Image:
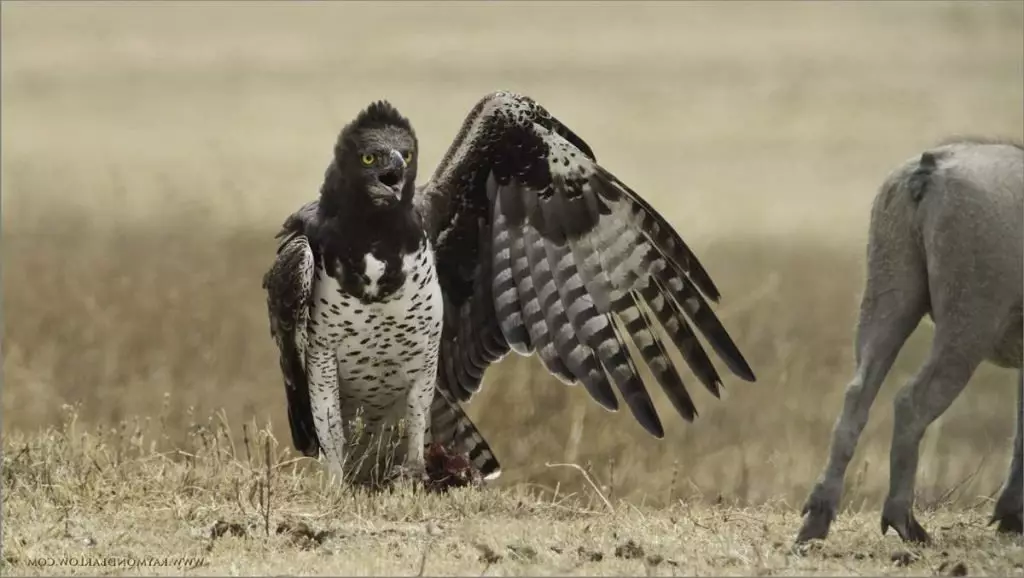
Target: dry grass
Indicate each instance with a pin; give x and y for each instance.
(147, 162)
(221, 503)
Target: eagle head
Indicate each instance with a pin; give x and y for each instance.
(375, 158)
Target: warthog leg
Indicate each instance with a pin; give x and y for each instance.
(894, 301)
(1009, 510)
(929, 393)
(887, 318)
(962, 340)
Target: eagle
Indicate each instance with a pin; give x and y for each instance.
(389, 300)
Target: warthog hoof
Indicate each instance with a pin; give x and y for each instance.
(818, 515)
(903, 521)
(1009, 518)
(1011, 524)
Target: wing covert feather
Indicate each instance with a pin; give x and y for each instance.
(288, 284)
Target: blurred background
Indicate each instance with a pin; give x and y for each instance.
(150, 153)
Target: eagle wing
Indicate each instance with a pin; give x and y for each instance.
(541, 249)
(289, 285)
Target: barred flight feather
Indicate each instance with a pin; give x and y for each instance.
(506, 295)
(541, 318)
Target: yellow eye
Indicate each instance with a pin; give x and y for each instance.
(367, 160)
(407, 155)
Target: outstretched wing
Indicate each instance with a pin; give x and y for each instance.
(289, 284)
(540, 249)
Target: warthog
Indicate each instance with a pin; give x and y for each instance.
(946, 238)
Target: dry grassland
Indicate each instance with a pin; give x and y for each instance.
(212, 505)
(150, 152)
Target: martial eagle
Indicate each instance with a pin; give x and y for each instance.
(388, 301)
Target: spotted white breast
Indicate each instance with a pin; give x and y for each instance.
(387, 349)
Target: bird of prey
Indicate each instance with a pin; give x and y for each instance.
(388, 301)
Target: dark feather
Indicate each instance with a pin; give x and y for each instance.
(707, 322)
(288, 285)
(623, 370)
(541, 320)
(639, 324)
(578, 309)
(670, 317)
(508, 309)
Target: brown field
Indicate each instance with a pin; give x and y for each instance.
(150, 152)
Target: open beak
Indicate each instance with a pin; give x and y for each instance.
(394, 177)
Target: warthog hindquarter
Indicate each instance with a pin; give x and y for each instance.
(946, 239)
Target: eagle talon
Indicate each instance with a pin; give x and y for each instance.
(417, 476)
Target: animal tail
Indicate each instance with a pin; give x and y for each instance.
(920, 178)
(451, 427)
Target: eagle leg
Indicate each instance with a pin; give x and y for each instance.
(414, 466)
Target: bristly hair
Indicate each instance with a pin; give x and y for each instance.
(379, 115)
(981, 140)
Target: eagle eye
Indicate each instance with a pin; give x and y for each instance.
(407, 155)
(367, 160)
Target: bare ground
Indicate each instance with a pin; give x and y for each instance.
(150, 153)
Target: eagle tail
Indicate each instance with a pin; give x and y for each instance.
(451, 427)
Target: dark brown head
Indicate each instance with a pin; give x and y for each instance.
(375, 159)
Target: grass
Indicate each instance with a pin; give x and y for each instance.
(146, 167)
(225, 503)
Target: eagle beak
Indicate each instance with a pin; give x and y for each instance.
(393, 178)
(397, 160)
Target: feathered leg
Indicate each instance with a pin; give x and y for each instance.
(418, 403)
(326, 404)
